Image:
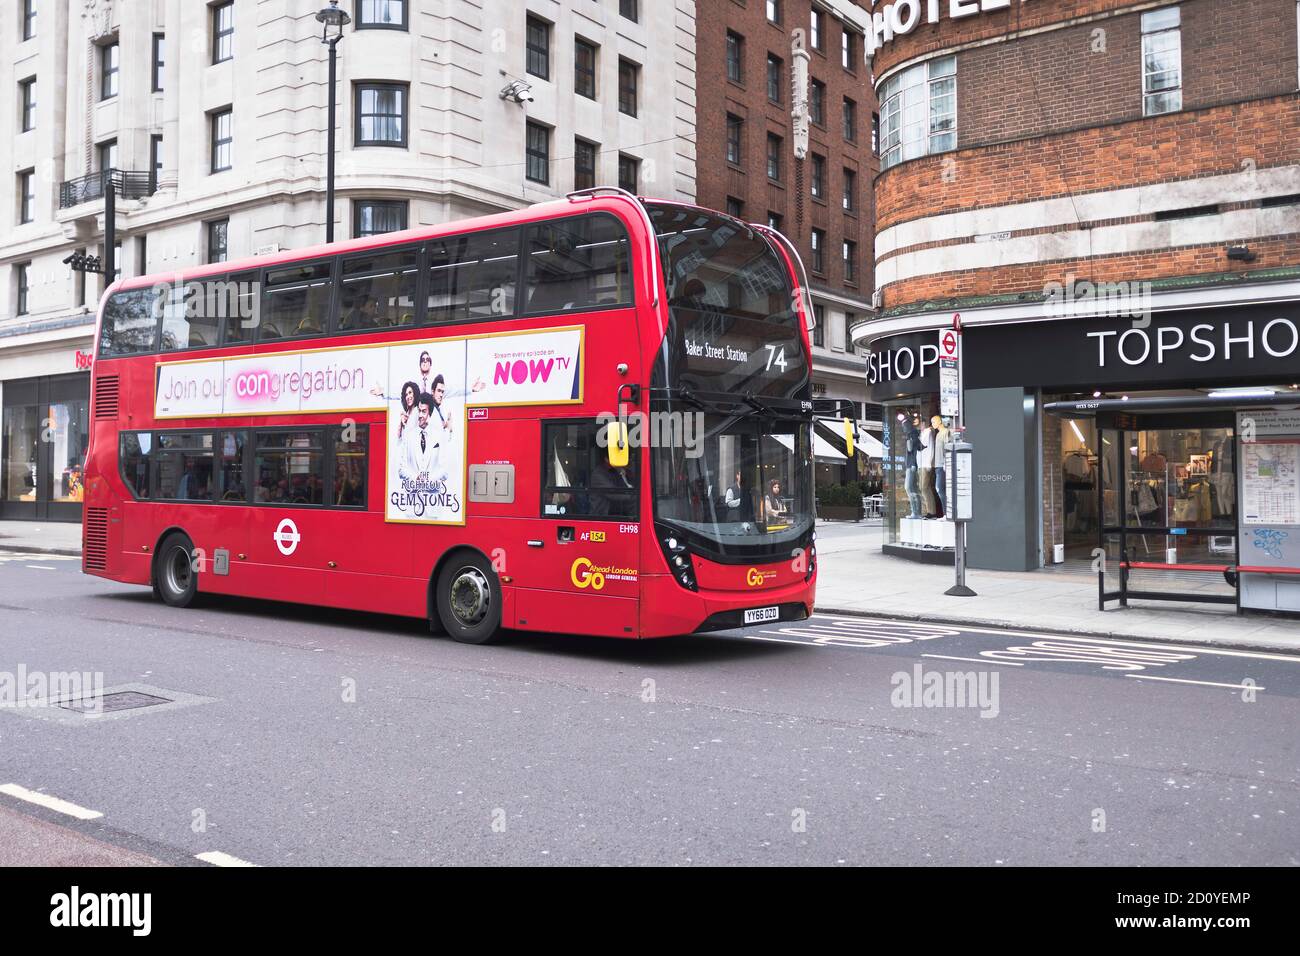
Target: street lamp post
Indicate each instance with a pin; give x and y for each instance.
(334, 20)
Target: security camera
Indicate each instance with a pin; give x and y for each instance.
(519, 91)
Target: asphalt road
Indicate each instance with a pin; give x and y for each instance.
(297, 735)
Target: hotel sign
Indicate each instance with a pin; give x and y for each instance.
(901, 17)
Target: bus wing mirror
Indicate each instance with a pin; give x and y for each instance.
(848, 436)
(616, 444)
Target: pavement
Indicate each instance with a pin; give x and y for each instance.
(298, 735)
(856, 577)
(41, 537)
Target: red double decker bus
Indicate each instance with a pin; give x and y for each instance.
(591, 416)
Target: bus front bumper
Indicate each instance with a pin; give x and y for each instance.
(668, 609)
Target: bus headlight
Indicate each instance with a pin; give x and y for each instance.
(679, 560)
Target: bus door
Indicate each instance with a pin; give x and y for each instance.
(581, 561)
(290, 535)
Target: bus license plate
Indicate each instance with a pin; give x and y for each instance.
(760, 615)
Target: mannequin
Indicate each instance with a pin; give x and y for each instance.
(941, 440)
(912, 444)
(925, 461)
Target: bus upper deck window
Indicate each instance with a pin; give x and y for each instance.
(130, 323)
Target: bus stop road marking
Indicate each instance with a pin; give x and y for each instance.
(217, 858)
(1203, 683)
(49, 802)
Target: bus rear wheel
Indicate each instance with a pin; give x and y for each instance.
(469, 599)
(175, 580)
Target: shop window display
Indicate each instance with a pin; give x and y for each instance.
(916, 441)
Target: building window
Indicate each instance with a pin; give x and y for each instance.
(818, 251)
(584, 164)
(817, 102)
(850, 120)
(381, 114)
(159, 53)
(774, 220)
(106, 155)
(850, 262)
(223, 136)
(875, 134)
(108, 70)
(818, 176)
(628, 75)
(26, 196)
(774, 157)
(218, 240)
(23, 282)
(627, 9)
(537, 43)
(629, 172)
(735, 57)
(29, 19)
(817, 30)
(773, 11)
(381, 15)
(371, 217)
(735, 207)
(537, 153)
(930, 127)
(223, 32)
(584, 69)
(27, 105)
(774, 78)
(848, 51)
(850, 201)
(735, 126)
(1162, 62)
(819, 325)
(156, 158)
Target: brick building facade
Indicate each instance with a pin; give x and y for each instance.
(746, 162)
(1036, 153)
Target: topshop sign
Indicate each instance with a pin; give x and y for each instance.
(1238, 346)
(903, 16)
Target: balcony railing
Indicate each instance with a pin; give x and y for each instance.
(130, 185)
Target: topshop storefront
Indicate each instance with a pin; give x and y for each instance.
(1047, 469)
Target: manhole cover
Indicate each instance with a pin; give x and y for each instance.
(108, 703)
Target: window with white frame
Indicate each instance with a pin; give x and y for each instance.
(1162, 62)
(919, 111)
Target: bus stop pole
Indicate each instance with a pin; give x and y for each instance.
(959, 588)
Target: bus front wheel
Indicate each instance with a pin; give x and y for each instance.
(175, 580)
(469, 599)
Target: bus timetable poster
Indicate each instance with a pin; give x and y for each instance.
(424, 387)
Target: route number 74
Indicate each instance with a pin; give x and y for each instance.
(776, 356)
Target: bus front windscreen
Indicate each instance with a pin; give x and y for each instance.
(742, 491)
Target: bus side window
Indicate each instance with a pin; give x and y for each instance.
(237, 300)
(378, 291)
(189, 318)
(577, 480)
(296, 300)
(349, 469)
(577, 264)
(231, 466)
(183, 466)
(130, 324)
(289, 468)
(133, 461)
(473, 276)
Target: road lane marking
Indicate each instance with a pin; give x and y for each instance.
(50, 803)
(217, 858)
(973, 660)
(1203, 683)
(40, 567)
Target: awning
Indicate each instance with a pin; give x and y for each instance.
(865, 444)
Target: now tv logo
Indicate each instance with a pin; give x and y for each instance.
(532, 371)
